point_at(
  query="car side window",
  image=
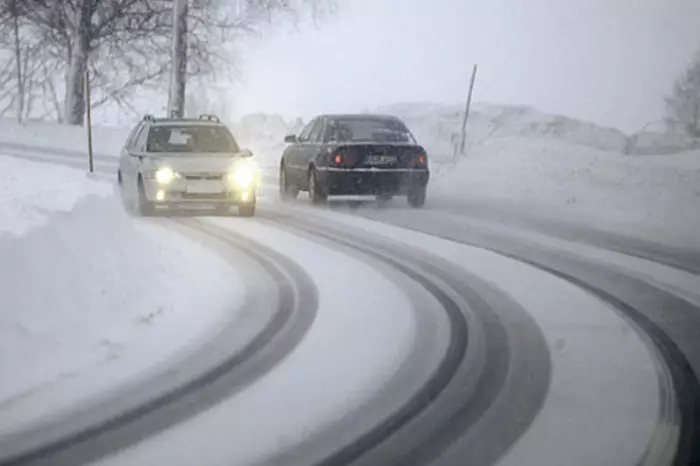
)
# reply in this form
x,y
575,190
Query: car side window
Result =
x,y
138,143
132,135
330,131
316,131
304,135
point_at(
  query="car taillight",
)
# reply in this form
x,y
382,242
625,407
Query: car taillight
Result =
x,y
338,159
420,159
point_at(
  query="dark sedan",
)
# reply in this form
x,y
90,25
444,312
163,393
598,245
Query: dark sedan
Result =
x,y
354,155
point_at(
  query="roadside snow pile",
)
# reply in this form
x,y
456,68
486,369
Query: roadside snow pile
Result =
x,y
653,195
656,143
90,296
438,126
58,138
264,135
30,193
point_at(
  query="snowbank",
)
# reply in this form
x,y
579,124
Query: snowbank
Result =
x,y
264,135
438,126
652,196
86,289
31,193
106,141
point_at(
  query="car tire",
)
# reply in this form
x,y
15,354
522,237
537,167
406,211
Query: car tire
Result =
x,y
126,202
317,194
287,190
246,210
416,196
144,207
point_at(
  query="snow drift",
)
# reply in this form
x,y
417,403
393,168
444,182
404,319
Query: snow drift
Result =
x,y
652,196
87,290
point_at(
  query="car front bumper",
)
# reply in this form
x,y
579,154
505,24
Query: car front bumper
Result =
x,y
371,181
182,192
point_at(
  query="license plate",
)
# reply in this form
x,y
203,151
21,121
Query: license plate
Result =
x,y
381,159
204,187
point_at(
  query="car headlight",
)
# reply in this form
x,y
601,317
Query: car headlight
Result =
x,y
165,175
242,176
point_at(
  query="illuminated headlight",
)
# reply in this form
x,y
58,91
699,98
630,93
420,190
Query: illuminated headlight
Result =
x,y
242,176
165,175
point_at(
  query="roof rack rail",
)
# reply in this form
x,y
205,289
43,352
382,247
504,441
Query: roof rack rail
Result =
x,y
209,117
149,117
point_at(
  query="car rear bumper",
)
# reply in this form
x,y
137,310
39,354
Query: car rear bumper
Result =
x,y
368,181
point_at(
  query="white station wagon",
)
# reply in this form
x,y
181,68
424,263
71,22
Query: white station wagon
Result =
x,y
188,164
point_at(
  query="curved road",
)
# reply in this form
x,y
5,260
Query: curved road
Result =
x,y
534,343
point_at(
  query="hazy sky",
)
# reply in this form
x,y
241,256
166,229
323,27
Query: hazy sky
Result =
x,y
609,61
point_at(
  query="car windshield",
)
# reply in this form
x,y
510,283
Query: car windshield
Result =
x,y
191,139
368,130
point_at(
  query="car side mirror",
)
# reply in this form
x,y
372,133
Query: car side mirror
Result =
x,y
246,153
290,139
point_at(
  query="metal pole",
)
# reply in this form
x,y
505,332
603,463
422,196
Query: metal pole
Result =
x,y
178,72
88,118
466,112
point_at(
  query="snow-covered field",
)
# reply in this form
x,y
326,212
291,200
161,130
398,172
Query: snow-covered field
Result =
x,y
652,196
90,296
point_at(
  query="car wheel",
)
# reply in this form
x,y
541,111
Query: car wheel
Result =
x,y
288,191
416,196
144,208
246,210
316,193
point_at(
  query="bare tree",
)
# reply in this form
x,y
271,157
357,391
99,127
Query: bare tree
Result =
x,y
126,43
683,106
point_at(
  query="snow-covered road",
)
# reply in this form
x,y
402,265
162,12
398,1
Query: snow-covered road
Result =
x,y
416,337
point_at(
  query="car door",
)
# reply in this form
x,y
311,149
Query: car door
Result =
x,y
314,145
134,150
296,158
124,159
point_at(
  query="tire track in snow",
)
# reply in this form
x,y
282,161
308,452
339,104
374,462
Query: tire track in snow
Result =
x,y
668,322
455,398
192,385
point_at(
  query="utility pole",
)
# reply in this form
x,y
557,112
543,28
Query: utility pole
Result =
x,y
178,71
88,119
467,108
18,63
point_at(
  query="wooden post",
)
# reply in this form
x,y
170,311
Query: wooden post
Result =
x,y
88,119
466,112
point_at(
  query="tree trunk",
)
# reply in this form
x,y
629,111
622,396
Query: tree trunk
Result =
x,y
80,49
18,63
178,76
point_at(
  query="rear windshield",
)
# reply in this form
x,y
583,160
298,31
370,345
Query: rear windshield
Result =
x,y
193,138
367,130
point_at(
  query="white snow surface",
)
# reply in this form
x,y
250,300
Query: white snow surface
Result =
x,y
90,296
655,197
354,346
600,364
106,141
31,193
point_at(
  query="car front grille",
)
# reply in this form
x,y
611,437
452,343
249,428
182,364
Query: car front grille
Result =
x,y
205,196
204,176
